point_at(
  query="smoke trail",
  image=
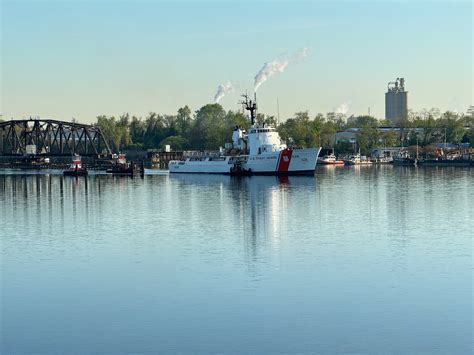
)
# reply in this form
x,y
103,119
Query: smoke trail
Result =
x,y
222,90
278,65
343,108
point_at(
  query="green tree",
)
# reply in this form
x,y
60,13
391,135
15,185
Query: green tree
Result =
x,y
209,129
452,126
239,119
110,131
122,130
176,143
137,131
184,121
299,130
389,139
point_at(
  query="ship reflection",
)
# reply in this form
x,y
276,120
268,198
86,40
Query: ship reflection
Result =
x,y
259,204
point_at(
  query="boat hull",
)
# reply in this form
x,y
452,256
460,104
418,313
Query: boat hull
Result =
x,y
404,162
284,162
335,162
446,162
75,173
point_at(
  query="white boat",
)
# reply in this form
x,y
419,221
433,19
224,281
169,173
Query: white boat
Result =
x,y
357,160
258,152
330,160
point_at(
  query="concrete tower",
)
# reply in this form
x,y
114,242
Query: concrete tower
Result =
x,y
396,102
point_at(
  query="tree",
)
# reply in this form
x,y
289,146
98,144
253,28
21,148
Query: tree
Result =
x,y
137,131
110,131
123,132
388,139
239,119
171,125
176,142
209,129
452,126
154,131
363,121
299,130
184,120
266,120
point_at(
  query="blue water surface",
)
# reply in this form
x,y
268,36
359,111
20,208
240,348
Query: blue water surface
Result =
x,y
353,260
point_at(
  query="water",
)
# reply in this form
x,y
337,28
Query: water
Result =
x,y
353,260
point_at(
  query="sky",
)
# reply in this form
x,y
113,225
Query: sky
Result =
x,y
80,59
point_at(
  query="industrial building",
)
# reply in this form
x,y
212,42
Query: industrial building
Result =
x,y
396,102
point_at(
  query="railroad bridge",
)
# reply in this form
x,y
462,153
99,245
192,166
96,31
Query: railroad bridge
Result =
x,y
51,138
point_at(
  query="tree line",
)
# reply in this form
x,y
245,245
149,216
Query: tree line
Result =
x,y
211,126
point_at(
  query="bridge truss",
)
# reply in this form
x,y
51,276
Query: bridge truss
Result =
x,y
51,138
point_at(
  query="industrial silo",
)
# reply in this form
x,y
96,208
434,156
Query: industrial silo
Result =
x,y
396,102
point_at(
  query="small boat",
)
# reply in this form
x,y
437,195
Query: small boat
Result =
x,y
404,159
122,167
357,160
76,168
383,160
330,160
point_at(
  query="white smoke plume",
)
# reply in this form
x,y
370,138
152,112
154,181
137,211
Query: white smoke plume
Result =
x,y
222,90
278,65
343,108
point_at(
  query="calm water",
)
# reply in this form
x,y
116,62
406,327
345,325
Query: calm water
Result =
x,y
353,260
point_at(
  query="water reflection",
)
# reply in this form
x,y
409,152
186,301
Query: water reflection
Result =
x,y
260,204
227,263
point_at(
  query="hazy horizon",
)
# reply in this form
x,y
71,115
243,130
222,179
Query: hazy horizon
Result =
x,y
67,59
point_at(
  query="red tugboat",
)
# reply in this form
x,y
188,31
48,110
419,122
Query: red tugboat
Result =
x,y
76,168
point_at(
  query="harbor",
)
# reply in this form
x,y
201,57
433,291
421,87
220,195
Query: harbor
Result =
x,y
51,144
236,177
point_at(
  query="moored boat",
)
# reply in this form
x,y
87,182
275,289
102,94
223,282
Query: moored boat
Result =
x,y
76,168
404,159
258,152
330,159
446,162
122,167
357,160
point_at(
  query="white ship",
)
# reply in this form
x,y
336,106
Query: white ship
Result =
x,y
258,152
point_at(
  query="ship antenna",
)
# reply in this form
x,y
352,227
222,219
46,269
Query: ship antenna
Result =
x,y
251,106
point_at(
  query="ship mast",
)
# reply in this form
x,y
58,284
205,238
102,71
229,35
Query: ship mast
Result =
x,y
251,106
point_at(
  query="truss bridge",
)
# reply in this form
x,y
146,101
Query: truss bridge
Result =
x,y
51,138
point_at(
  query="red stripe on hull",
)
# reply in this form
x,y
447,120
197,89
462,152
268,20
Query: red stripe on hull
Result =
x,y
284,161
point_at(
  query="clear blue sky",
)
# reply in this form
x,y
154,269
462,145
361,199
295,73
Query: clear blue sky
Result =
x,y
65,59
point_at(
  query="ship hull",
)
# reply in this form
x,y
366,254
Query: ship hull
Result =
x,y
284,162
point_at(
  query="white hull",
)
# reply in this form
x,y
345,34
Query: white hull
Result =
x,y
284,162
